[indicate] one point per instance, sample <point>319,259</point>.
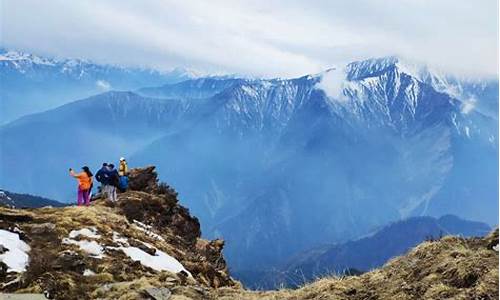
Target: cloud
<point>262,38</point>
<point>332,83</point>
<point>103,85</point>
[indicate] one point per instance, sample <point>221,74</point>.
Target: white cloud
<point>332,83</point>
<point>103,85</point>
<point>271,38</point>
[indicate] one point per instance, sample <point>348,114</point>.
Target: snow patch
<point>160,261</point>
<point>16,258</point>
<point>88,272</point>
<point>87,232</point>
<point>148,230</point>
<point>467,131</point>
<point>91,247</point>
<point>468,105</point>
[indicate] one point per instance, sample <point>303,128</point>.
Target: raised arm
<point>72,173</point>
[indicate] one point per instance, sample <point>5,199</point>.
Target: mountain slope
<point>32,83</point>
<point>87,132</point>
<point>14,200</point>
<point>449,268</point>
<point>312,161</point>
<point>372,252</point>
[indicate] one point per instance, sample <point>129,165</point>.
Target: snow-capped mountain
<point>32,83</point>
<point>275,166</point>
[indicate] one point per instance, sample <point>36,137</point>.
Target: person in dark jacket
<point>102,175</point>
<point>113,181</point>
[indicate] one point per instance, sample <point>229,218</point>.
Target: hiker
<point>113,182</point>
<point>102,176</point>
<point>123,172</point>
<point>84,185</point>
<point>123,168</point>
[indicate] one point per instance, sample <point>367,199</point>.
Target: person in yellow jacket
<point>84,185</point>
<point>123,168</point>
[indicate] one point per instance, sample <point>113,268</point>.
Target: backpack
<point>115,179</point>
<point>123,183</point>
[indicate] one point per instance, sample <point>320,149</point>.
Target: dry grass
<point>449,268</point>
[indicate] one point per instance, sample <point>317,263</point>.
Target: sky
<point>273,38</point>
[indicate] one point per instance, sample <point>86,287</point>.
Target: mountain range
<point>375,250</point>
<point>32,83</point>
<point>14,200</point>
<point>277,165</point>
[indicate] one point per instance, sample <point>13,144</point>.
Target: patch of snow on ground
<point>160,261</point>
<point>16,258</point>
<point>88,272</point>
<point>88,232</point>
<point>148,230</point>
<point>91,247</point>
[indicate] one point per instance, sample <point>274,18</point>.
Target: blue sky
<point>260,38</point>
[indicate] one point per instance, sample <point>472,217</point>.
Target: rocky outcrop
<point>145,236</point>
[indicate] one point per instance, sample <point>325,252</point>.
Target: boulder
<point>43,228</point>
<point>158,293</point>
<point>140,245</point>
<point>68,260</point>
<point>143,179</point>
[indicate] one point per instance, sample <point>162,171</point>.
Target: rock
<point>138,244</point>
<point>3,249</point>
<point>23,297</point>
<point>160,211</point>
<point>69,261</point>
<point>212,250</point>
<point>158,293</point>
<point>107,287</point>
<point>43,228</point>
<point>143,179</point>
<point>201,290</point>
<point>3,270</point>
<point>17,216</point>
